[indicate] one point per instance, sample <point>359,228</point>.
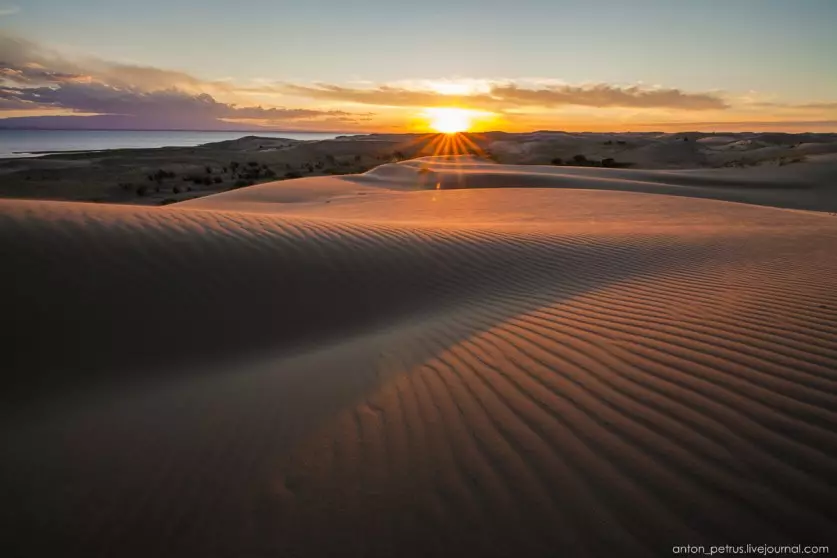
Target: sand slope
<point>352,366</point>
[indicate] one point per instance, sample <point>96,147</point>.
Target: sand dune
<point>175,174</point>
<point>807,186</point>
<point>522,362</point>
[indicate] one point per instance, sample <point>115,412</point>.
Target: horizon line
<point>362,133</point>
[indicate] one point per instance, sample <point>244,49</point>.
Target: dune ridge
<point>368,365</point>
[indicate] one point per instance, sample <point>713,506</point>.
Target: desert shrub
<point>167,201</point>
<point>175,190</point>
<point>269,173</point>
<point>218,180</point>
<point>790,160</point>
<point>241,184</point>
<point>557,161</point>
<point>142,191</point>
<point>207,181</point>
<point>252,163</point>
<point>159,175</point>
<point>579,159</point>
<point>357,158</point>
<point>208,170</point>
<point>293,174</point>
<point>609,162</point>
<point>249,173</point>
<point>234,165</point>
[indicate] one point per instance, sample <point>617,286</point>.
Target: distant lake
<point>23,143</point>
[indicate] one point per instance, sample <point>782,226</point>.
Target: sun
<point>449,120</point>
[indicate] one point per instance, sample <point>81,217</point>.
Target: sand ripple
<point>419,377</point>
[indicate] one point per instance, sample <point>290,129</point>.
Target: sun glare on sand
<point>450,120</point>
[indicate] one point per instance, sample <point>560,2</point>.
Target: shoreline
<point>42,141</point>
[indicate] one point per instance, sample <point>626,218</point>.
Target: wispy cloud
<point>801,106</point>
<point>9,9</point>
<point>25,61</point>
<point>510,96</point>
<point>748,125</point>
<point>32,77</point>
<point>604,95</point>
<point>176,105</point>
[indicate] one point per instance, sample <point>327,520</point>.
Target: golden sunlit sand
<point>442,357</point>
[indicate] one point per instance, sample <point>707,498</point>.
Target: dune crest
<point>420,362</point>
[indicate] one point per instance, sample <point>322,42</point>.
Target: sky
<point>375,65</point>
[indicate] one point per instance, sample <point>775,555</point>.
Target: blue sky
<point>762,51</point>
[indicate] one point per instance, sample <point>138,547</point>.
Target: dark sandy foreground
<point>362,366</point>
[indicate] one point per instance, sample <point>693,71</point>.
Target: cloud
<point>12,103</point>
<point>827,105</point>
<point>32,77</point>
<point>511,96</point>
<point>170,103</point>
<point>772,125</point>
<point>381,96</point>
<point>603,95</point>
<point>9,9</point>
<point>26,62</point>
<point>818,106</point>
<point>36,74</point>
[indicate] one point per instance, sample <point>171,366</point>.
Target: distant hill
<point>125,122</point>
